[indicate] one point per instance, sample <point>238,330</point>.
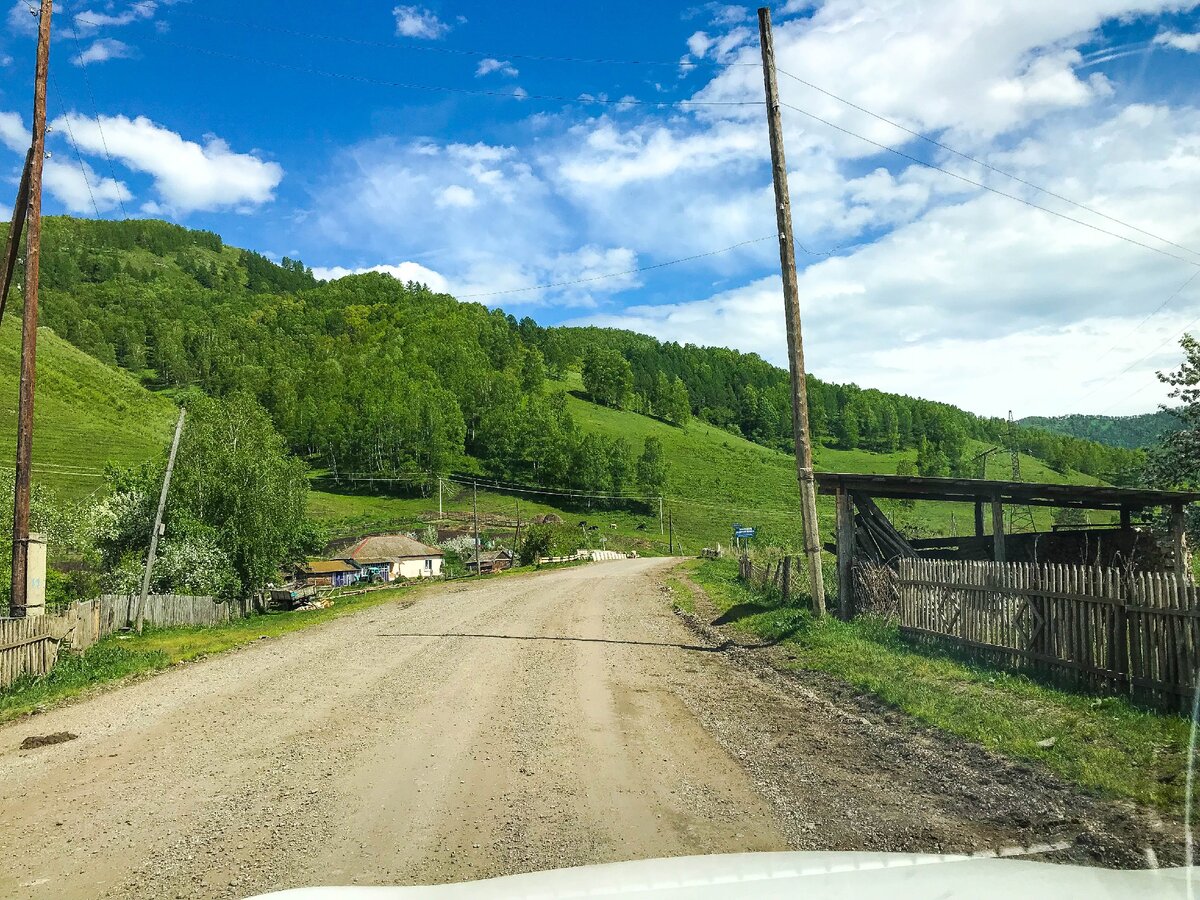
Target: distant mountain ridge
<point>1128,432</point>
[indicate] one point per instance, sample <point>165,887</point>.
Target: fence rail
<point>1100,628</point>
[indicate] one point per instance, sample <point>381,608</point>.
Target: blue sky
<point>486,149</point>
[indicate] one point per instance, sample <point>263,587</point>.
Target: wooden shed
<point>865,534</point>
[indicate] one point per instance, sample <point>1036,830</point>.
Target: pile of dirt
<point>48,740</point>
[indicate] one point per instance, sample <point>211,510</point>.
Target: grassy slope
<point>1105,745</point>
<point>85,413</point>
<point>716,478</point>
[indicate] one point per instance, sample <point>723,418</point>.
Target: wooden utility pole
<point>791,302</point>
<point>660,515</point>
<point>12,245</point>
<point>475,510</point>
<point>517,537</point>
<point>671,528</point>
<point>33,251</point>
<point>439,498</point>
<point>158,517</point>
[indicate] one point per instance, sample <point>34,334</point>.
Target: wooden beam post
<point>12,244</point>
<point>158,517</point>
<point>29,322</point>
<point>791,303</point>
<point>1126,519</point>
<point>979,532</point>
<point>998,551</point>
<point>845,553</point>
<point>1179,542</point>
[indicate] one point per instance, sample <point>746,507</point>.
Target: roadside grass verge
<point>682,596</point>
<point>1106,745</point>
<point>123,655</point>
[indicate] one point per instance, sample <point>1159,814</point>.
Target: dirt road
<point>515,725</point>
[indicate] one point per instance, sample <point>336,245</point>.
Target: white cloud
<point>456,196</point>
<point>188,176</point>
<point>5,60</point>
<point>405,271</point>
<point>419,22</point>
<point>488,65</point>
<point>698,44</point>
<point>1189,43</point>
<point>89,20</point>
<point>13,133</point>
<point>103,50</point>
<point>20,20</point>
<point>77,187</point>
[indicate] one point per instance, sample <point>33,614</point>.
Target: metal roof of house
<point>391,546</point>
<point>970,490</point>
<point>491,555</point>
<point>328,567</point>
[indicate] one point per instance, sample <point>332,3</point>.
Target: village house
<point>406,557</point>
<point>327,573</point>
<point>490,561</point>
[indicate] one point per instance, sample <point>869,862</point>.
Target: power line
<point>980,162</point>
<point>993,190</point>
<point>446,89</point>
<point>662,265</point>
<point>87,80</point>
<point>75,146</point>
<point>455,51</point>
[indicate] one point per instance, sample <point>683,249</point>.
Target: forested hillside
<point>1131,432</point>
<point>368,376</point>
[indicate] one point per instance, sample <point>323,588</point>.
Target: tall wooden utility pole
<point>475,510</point>
<point>33,251</point>
<point>791,302</point>
<point>158,517</point>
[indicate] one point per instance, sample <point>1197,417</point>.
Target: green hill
<point>86,414</point>
<point>379,383</point>
<point>1130,432</point>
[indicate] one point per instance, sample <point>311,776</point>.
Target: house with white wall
<point>409,559</point>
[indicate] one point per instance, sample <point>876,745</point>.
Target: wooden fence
<point>1100,629</point>
<point>779,576</point>
<point>30,646</point>
<point>27,647</point>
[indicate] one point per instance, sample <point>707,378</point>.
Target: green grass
<point>682,596</point>
<point>85,413</point>
<point>1105,745</point>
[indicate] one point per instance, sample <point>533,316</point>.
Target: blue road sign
<point>744,532</point>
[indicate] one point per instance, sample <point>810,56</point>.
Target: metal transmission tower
<point>1014,449</point>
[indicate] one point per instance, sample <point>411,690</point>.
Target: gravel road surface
<point>514,725</point>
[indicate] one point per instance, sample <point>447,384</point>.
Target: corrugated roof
<point>392,546</point>
<point>365,561</point>
<point>328,567</point>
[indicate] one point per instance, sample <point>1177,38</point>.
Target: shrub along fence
<point>1097,628</point>
<point>30,646</point>
<point>778,576</point>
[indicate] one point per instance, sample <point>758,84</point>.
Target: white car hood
<point>768,876</point>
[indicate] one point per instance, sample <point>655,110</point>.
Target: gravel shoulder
<point>520,724</point>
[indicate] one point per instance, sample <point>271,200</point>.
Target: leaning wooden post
<point>154,535</point>
<point>12,244</point>
<point>791,303</point>
<point>845,553</point>
<point>998,550</point>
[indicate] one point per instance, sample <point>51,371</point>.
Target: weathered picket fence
<point>1100,629</point>
<point>30,646</point>
<point>779,576</point>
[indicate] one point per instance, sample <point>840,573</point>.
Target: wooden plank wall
<point>1098,628</point>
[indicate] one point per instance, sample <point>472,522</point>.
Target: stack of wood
<point>876,538</point>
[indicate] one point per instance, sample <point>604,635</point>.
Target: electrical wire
<point>454,51</point>
<point>446,89</point>
<point>985,165</point>
<point>997,191</point>
<point>75,147</point>
<point>662,265</point>
<point>87,80</point>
